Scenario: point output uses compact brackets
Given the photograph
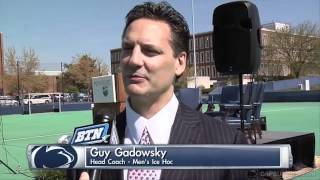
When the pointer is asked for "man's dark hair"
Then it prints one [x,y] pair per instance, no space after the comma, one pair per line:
[163,11]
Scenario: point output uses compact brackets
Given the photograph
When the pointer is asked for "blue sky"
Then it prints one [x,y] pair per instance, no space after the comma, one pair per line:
[60,29]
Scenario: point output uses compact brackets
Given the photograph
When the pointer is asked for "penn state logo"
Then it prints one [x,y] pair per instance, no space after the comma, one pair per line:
[105,90]
[53,156]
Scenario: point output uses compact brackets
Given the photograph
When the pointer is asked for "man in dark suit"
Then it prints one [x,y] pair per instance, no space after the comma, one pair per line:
[155,44]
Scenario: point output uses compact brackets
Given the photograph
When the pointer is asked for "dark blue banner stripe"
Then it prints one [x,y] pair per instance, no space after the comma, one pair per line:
[161,156]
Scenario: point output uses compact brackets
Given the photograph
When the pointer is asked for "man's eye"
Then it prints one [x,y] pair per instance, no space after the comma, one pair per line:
[126,50]
[150,52]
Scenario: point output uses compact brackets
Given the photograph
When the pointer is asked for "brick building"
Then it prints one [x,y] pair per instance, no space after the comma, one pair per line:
[52,80]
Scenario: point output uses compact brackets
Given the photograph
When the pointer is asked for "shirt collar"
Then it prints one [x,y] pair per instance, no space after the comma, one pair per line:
[159,126]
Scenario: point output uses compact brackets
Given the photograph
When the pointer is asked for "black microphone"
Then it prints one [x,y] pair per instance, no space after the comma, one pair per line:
[114,139]
[99,134]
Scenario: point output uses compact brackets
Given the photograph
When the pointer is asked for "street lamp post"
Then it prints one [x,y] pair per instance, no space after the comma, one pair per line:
[61,68]
[18,81]
[194,48]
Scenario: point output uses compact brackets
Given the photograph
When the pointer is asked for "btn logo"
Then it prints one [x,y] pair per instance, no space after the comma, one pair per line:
[91,134]
[53,157]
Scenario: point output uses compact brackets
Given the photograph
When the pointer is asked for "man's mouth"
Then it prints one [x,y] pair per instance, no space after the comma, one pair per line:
[136,78]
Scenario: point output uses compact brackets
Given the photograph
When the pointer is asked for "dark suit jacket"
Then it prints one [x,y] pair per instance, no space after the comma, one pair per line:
[191,127]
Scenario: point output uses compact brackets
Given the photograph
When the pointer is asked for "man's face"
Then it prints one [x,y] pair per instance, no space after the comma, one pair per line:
[148,61]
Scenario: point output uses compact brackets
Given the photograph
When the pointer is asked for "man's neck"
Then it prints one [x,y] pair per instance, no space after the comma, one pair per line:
[148,107]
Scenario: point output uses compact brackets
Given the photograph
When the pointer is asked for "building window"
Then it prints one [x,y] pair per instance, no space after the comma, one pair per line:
[206,42]
[207,56]
[210,40]
[197,57]
[213,72]
[201,57]
[197,43]
[191,58]
[199,71]
[190,44]
[208,70]
[211,56]
[117,57]
[264,39]
[204,56]
[201,44]
[269,70]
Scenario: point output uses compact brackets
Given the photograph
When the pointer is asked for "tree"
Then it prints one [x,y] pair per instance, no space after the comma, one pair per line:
[29,62]
[102,67]
[297,48]
[11,61]
[78,74]
[10,78]
[28,81]
[182,82]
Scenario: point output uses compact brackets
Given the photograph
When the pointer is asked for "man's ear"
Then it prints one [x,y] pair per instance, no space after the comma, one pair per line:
[181,63]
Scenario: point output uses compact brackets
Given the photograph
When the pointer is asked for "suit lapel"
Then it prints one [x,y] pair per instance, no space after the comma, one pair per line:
[185,129]
[121,125]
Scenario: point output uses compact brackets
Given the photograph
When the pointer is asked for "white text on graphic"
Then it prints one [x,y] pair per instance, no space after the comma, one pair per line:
[95,152]
[119,152]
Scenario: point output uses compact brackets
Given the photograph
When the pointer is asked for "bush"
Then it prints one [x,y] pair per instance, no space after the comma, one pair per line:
[50,174]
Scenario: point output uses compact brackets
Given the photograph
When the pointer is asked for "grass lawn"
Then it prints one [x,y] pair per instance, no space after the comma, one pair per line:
[17,131]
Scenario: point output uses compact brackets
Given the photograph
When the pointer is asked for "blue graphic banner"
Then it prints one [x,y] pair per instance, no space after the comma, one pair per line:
[160,156]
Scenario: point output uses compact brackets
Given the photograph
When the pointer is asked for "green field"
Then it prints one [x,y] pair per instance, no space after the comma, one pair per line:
[21,130]
[17,131]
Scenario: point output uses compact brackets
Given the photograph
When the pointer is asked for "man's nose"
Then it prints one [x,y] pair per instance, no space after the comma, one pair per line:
[136,58]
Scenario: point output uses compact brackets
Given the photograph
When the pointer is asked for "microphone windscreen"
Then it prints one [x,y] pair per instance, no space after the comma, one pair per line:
[65,139]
